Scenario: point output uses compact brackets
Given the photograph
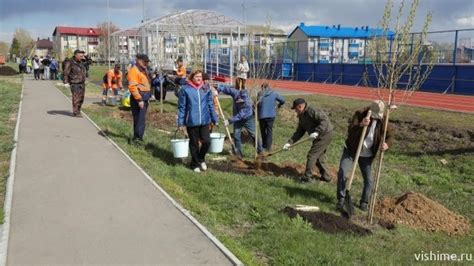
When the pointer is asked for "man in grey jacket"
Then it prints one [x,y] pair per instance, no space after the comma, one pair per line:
[316,123]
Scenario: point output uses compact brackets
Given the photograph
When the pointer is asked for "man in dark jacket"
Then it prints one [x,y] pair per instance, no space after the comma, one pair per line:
[372,144]
[267,99]
[316,123]
[75,78]
[243,116]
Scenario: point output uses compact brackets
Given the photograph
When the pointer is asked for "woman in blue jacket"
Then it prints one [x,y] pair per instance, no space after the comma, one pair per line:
[196,112]
[267,99]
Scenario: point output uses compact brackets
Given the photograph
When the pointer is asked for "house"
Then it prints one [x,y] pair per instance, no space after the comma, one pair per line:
[43,47]
[68,39]
[336,44]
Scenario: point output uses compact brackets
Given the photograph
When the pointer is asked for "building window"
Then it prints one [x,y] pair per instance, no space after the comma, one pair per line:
[225,40]
[324,49]
[181,40]
[213,36]
[181,50]
[234,38]
[65,38]
[324,40]
[225,51]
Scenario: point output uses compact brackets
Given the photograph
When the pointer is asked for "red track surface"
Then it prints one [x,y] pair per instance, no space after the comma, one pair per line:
[458,103]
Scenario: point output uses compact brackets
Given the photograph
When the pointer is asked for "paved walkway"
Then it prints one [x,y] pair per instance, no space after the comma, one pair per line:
[78,200]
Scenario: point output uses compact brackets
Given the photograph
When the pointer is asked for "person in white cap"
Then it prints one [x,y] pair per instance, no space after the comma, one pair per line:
[372,144]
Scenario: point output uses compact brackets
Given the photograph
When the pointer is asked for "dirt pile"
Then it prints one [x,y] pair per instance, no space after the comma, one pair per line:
[417,211]
[7,71]
[328,222]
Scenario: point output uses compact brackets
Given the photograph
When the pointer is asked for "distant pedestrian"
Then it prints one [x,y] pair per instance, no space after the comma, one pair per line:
[316,123]
[267,100]
[41,68]
[36,67]
[139,84]
[75,78]
[180,72]
[46,63]
[242,73]
[29,65]
[53,67]
[196,113]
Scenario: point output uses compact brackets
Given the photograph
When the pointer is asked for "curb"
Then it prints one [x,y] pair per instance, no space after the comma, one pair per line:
[185,212]
[5,228]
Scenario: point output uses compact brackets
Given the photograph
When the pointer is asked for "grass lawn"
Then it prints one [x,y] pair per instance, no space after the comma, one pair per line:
[244,211]
[10,91]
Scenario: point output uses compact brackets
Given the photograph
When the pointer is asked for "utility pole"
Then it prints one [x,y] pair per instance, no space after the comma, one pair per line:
[108,34]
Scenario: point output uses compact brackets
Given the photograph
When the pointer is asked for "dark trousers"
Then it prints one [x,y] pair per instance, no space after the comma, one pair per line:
[240,83]
[54,74]
[345,168]
[317,155]
[36,72]
[139,118]
[77,91]
[196,134]
[249,125]
[266,129]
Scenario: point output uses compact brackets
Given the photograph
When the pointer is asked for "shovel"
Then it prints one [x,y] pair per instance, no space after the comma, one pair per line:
[292,145]
[348,205]
[226,127]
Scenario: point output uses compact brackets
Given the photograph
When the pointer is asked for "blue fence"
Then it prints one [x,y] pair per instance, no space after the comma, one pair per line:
[453,79]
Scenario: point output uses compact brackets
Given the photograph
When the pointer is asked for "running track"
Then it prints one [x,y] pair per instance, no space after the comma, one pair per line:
[458,103]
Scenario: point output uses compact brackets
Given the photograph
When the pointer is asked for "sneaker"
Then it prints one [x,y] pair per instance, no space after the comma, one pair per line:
[363,207]
[203,166]
[197,170]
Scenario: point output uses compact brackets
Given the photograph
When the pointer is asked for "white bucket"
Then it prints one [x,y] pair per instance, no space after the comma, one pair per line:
[180,148]
[217,143]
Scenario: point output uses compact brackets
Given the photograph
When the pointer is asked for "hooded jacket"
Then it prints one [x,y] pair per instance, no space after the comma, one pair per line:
[267,99]
[195,106]
[242,107]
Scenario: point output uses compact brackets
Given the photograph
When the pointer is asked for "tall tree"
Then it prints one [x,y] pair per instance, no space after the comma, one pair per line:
[25,42]
[4,47]
[398,56]
[15,48]
[103,48]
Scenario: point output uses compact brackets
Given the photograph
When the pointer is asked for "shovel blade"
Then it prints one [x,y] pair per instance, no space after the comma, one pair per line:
[348,205]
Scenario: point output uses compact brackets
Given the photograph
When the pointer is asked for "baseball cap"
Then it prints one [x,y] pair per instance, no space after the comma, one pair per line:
[298,102]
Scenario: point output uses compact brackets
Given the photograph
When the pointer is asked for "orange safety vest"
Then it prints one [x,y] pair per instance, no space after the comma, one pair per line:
[112,80]
[138,81]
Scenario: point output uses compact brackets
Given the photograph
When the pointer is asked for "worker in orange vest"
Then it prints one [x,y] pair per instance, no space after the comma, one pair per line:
[139,87]
[112,81]
[180,72]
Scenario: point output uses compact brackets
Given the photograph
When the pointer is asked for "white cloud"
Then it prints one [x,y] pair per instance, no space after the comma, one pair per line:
[465,21]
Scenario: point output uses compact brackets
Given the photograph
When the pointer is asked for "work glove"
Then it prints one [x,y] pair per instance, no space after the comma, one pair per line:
[226,122]
[67,85]
[286,146]
[314,135]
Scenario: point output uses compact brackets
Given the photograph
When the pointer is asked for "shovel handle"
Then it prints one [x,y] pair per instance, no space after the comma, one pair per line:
[359,149]
[294,144]
[226,127]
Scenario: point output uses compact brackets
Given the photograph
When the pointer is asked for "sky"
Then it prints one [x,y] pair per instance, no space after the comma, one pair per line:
[40,17]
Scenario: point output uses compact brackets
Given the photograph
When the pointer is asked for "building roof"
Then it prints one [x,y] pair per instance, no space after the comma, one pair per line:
[76,31]
[44,44]
[340,32]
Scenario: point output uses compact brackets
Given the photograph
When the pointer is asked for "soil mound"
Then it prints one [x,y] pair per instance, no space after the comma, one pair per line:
[7,71]
[417,211]
[328,222]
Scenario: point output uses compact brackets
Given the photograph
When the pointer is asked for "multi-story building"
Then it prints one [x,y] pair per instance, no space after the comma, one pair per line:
[43,47]
[124,45]
[68,39]
[336,44]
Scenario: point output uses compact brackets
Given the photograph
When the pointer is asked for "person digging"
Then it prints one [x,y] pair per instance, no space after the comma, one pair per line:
[316,123]
[373,124]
